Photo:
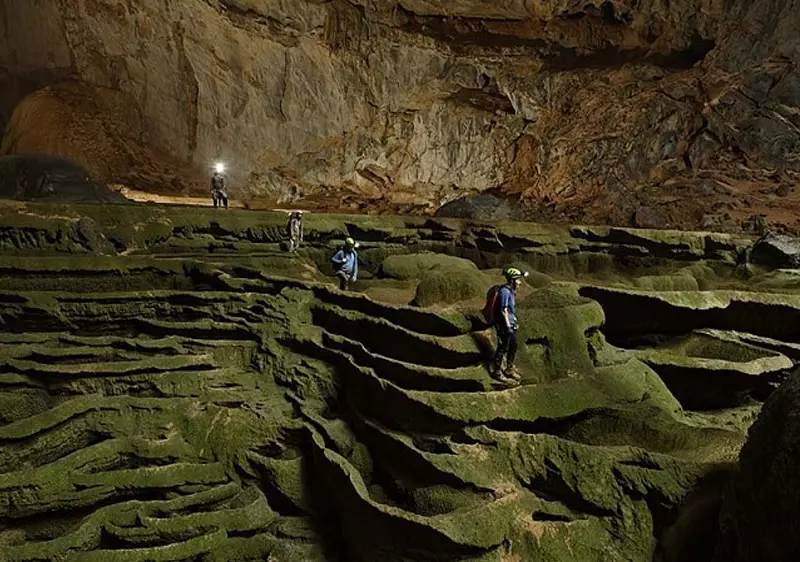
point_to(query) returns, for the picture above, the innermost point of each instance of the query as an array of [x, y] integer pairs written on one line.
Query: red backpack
[[490, 308]]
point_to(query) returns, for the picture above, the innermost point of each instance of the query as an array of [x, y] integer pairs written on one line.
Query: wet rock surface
[[175, 387]]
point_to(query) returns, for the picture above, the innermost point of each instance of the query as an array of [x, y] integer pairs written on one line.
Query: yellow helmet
[[512, 273]]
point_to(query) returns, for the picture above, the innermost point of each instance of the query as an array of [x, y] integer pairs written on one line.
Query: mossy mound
[[443, 279], [416, 266], [449, 286], [697, 277]]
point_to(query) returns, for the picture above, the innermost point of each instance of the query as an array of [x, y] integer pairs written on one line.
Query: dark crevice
[[464, 35], [547, 426], [551, 517], [643, 462], [564, 59], [493, 102]]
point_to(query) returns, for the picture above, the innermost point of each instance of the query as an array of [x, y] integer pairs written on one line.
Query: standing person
[[294, 230], [345, 264], [506, 326], [219, 193]]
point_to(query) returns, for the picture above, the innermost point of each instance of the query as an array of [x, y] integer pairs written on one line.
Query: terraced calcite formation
[[174, 387], [658, 114]]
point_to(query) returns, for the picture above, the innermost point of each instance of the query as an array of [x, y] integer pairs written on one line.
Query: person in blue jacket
[[506, 326], [345, 264]]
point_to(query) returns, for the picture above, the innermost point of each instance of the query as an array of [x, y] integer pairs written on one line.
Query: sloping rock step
[[658, 431], [384, 532], [557, 490], [409, 375], [401, 479], [217, 386], [790, 350], [37, 448], [207, 330], [707, 370], [412, 319], [673, 244], [416, 320], [152, 299], [530, 406], [183, 521], [82, 479], [393, 341], [87, 350], [190, 363], [79, 407], [92, 274], [83, 316], [170, 345], [64, 355], [632, 315], [146, 528], [9, 338]]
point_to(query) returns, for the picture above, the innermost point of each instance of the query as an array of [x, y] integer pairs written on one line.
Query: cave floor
[[176, 386]]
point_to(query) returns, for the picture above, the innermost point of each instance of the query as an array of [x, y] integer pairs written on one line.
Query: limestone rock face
[[591, 113], [760, 512]]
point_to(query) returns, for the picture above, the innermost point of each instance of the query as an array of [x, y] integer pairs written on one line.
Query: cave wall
[[597, 107]]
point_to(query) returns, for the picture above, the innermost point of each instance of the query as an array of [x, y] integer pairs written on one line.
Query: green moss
[[554, 323], [451, 286], [416, 266]]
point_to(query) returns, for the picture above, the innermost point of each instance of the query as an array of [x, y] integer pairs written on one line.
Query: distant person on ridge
[[294, 230], [345, 264], [219, 193], [504, 303]]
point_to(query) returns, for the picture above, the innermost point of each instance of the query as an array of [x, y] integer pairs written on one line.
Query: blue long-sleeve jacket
[[346, 261]]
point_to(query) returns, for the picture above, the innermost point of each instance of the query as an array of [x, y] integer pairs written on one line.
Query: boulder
[[488, 206], [761, 511], [777, 250]]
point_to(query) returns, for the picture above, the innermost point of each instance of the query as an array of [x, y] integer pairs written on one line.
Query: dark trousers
[[506, 346], [344, 280], [219, 199]]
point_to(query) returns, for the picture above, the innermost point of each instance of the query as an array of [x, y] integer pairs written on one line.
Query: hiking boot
[[501, 379], [495, 370], [512, 373]]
